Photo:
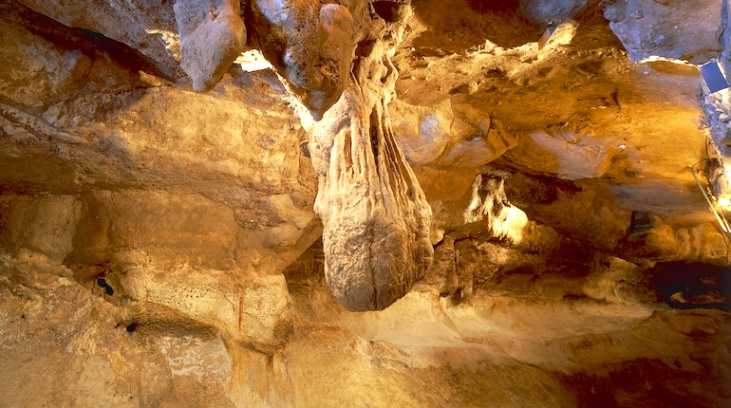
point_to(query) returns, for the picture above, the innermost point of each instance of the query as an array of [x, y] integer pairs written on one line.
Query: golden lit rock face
[[180, 230], [376, 219]]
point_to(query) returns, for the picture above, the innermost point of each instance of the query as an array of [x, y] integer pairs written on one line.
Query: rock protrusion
[[212, 37], [677, 30], [336, 60], [311, 47]]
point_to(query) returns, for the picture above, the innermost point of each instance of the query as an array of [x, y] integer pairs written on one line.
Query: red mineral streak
[[241, 309]]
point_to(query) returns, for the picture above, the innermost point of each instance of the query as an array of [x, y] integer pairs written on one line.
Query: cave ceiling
[[476, 87], [435, 192]]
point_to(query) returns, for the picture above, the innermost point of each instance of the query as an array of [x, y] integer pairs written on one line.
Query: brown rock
[[145, 26], [311, 46]]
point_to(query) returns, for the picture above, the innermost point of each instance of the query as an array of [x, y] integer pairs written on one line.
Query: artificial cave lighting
[[713, 77]]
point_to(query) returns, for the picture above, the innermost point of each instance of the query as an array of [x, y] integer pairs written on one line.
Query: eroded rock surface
[[376, 219], [211, 38], [148, 27], [159, 246], [311, 45], [686, 30]]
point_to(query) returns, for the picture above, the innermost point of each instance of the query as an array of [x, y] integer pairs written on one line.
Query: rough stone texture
[[485, 341], [148, 27], [158, 247], [92, 349], [45, 62], [124, 179], [448, 136], [686, 30], [551, 12], [310, 44], [313, 47], [724, 35], [211, 38], [576, 109], [376, 219]]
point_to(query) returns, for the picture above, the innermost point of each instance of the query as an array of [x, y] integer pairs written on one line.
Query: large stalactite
[[376, 218], [336, 59]]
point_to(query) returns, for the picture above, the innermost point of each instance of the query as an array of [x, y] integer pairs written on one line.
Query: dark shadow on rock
[[692, 285], [648, 382]]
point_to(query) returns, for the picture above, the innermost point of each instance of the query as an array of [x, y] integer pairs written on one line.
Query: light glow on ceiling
[[253, 60]]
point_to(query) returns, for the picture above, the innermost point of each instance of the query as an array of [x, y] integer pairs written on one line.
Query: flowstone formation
[[336, 59]]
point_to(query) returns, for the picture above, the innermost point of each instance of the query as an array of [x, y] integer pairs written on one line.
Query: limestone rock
[[95, 348], [310, 45], [158, 247], [447, 135], [699, 243], [37, 72], [46, 226], [684, 30], [566, 156], [148, 27], [376, 219], [489, 203], [250, 310], [211, 38], [224, 226], [551, 12]]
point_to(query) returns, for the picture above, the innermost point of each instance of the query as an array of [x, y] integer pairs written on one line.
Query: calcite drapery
[[335, 58], [375, 216]]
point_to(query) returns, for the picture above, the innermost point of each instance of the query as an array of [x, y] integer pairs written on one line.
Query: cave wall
[[168, 218]]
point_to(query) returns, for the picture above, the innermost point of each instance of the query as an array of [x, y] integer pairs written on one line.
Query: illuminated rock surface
[[522, 211]]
